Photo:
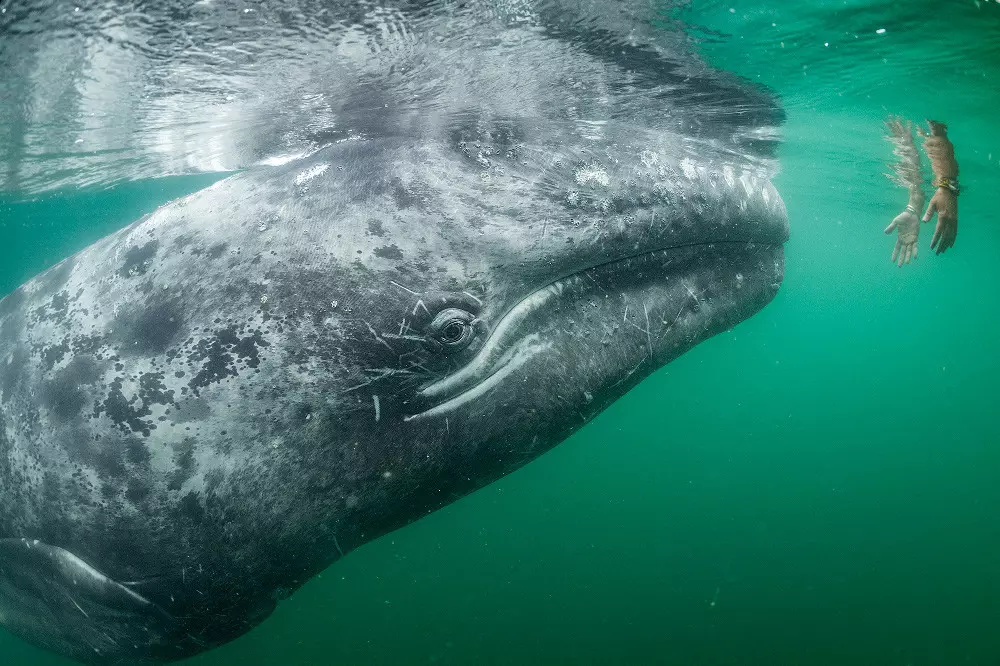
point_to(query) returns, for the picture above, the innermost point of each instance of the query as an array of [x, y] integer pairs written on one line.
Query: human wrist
[[947, 184]]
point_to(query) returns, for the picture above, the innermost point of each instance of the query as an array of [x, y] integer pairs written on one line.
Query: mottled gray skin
[[205, 409]]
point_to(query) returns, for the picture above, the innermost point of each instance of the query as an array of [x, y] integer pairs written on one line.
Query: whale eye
[[452, 329]]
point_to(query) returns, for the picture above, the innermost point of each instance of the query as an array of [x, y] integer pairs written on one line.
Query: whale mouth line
[[514, 359], [505, 350]]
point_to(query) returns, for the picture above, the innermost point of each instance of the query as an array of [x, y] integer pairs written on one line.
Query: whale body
[[503, 217]]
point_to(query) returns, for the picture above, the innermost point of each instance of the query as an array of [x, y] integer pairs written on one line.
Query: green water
[[819, 486]]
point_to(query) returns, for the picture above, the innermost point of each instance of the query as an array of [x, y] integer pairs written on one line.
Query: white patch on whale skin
[[592, 175], [279, 160], [310, 173], [728, 176], [689, 168]]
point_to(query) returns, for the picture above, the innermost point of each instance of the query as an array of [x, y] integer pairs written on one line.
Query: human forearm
[[906, 168], [917, 199], [941, 152], [944, 202]]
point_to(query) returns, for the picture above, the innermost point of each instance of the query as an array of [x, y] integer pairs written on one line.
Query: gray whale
[[512, 220]]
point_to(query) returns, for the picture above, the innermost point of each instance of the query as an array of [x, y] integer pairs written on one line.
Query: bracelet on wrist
[[949, 184]]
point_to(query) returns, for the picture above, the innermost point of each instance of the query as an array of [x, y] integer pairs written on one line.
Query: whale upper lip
[[736, 211]]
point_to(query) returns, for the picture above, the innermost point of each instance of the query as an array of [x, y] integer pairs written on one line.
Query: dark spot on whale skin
[[404, 198], [137, 259], [87, 344], [121, 411], [128, 414], [301, 412], [60, 303], [82, 370], [110, 490], [190, 507], [136, 452], [137, 491], [213, 480], [181, 242], [375, 228], [220, 353], [389, 252], [242, 291], [55, 309], [64, 400], [152, 330], [80, 444], [62, 395], [54, 353], [153, 391], [184, 462], [110, 462], [216, 250], [5, 447], [51, 484]]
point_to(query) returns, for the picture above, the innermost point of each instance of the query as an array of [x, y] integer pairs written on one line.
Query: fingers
[[948, 233], [892, 226], [905, 253], [930, 211], [940, 234]]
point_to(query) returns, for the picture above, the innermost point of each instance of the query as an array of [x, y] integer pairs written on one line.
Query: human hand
[[945, 204], [907, 227], [936, 127], [900, 129]]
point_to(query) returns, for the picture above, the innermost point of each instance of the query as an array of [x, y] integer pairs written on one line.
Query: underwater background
[[818, 486]]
